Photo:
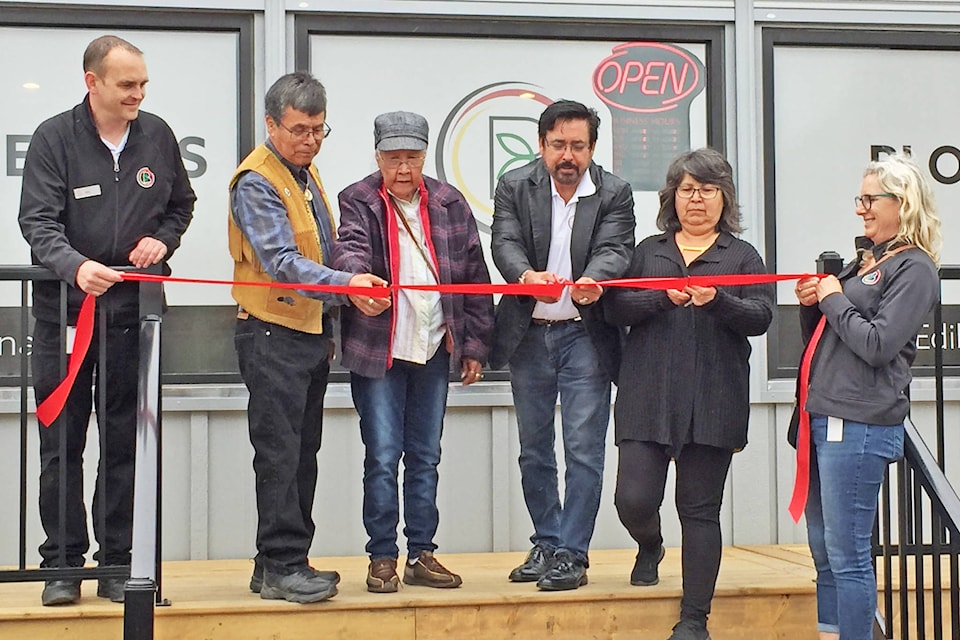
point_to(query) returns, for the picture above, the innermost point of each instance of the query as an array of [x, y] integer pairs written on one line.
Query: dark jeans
[[401, 414], [286, 374], [701, 474], [118, 422], [561, 360]]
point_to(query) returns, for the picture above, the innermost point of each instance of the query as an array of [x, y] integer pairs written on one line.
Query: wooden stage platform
[[764, 593]]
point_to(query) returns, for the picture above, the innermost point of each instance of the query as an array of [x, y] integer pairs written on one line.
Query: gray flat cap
[[400, 130]]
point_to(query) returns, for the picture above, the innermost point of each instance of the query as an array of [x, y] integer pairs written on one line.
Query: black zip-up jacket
[[76, 204]]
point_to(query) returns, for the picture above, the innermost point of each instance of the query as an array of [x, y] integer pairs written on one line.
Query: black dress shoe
[[645, 572], [537, 563], [60, 592], [568, 572], [111, 588]]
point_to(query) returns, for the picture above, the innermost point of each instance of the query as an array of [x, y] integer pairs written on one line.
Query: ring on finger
[[370, 301]]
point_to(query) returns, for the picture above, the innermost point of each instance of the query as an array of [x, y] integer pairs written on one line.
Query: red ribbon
[[52, 406], [801, 482]]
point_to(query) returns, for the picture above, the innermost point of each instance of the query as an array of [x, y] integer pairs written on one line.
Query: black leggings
[[701, 473]]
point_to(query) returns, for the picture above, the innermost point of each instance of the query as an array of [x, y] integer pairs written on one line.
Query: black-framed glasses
[[301, 133], [706, 191], [867, 199], [575, 147]]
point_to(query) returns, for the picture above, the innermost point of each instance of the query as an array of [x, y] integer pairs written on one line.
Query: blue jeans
[[845, 480], [554, 359], [402, 414]]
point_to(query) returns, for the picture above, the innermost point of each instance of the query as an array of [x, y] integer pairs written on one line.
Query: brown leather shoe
[[427, 572], [382, 576]]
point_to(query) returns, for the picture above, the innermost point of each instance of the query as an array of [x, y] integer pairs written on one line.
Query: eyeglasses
[[394, 162], [301, 133], [866, 200], [707, 191], [575, 147]]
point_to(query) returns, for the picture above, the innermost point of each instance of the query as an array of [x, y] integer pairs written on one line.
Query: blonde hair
[[919, 224]]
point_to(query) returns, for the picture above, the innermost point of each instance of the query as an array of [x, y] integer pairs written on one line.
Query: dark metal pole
[[139, 593]]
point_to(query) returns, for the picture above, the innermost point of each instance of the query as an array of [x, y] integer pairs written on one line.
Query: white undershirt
[[558, 260], [419, 328], [117, 149]]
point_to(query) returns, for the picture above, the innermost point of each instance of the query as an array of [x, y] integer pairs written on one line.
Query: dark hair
[[97, 50], [707, 167], [298, 90], [564, 110]]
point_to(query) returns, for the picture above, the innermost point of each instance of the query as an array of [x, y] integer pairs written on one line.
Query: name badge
[[71, 338], [86, 192], [834, 429]]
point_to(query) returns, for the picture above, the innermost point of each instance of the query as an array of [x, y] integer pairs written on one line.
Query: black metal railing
[[918, 531], [142, 589]]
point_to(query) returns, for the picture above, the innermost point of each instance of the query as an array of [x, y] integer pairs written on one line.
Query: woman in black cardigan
[[684, 381]]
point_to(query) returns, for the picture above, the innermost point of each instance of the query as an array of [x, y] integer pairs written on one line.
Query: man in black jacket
[[103, 184], [560, 218]]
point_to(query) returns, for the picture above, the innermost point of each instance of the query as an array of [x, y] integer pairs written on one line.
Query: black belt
[[543, 322]]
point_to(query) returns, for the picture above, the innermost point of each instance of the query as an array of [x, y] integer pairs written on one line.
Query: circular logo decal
[[145, 177], [871, 278]]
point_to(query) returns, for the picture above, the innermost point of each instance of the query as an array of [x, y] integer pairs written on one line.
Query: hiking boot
[[256, 580], [427, 572], [382, 576], [301, 586]]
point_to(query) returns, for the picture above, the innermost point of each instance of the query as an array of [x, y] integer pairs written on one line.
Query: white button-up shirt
[[419, 328], [558, 260]]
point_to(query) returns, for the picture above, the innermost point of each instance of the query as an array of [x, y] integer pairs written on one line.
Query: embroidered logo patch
[[871, 278], [145, 177]]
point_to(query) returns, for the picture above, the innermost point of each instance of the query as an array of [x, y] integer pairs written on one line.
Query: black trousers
[[117, 421], [701, 474], [286, 374]]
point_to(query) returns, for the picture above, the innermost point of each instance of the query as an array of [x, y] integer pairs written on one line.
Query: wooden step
[[763, 593]]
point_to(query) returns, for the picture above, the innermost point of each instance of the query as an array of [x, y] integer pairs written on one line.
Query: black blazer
[[600, 248]]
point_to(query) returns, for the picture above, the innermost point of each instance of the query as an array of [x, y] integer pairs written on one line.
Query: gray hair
[[706, 166], [97, 51], [298, 90]]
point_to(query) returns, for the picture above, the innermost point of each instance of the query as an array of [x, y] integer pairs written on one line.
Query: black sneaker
[[57, 592], [301, 586], [568, 572], [537, 563], [690, 629], [644, 572], [256, 580], [111, 588]]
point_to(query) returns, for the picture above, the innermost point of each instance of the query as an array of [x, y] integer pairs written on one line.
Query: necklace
[[688, 248]]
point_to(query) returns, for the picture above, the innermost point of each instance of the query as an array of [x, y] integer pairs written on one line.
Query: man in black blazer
[[561, 218]]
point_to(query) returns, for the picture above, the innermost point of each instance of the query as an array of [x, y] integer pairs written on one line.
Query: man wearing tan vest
[[281, 231]]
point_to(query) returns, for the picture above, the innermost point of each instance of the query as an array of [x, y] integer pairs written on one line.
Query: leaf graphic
[[518, 148], [507, 140]]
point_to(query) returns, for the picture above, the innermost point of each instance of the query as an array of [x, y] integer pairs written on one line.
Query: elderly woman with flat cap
[[684, 390]]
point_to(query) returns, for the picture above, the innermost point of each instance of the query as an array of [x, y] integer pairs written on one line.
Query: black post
[[140, 590]]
